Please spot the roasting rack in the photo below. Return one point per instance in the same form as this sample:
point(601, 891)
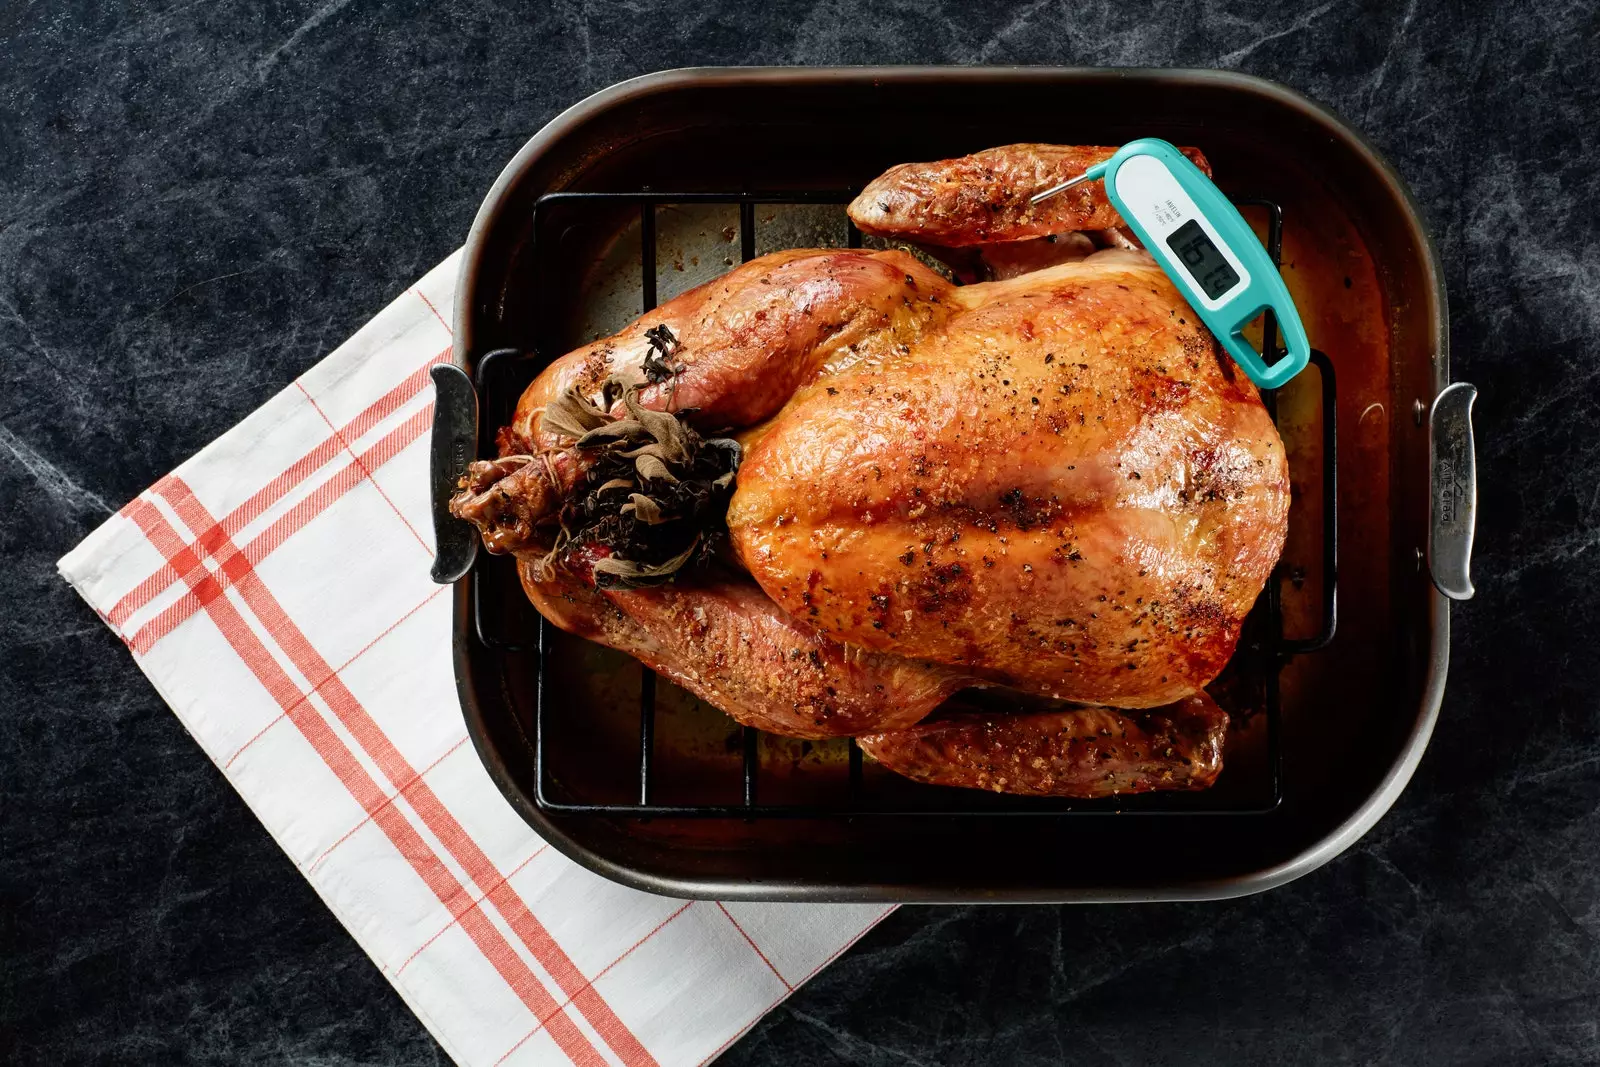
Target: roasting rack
point(504, 621)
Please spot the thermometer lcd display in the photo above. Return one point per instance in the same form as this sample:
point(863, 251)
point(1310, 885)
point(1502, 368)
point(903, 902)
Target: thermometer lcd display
point(1201, 258)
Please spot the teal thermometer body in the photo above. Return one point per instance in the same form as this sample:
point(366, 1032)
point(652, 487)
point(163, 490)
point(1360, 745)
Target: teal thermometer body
point(1207, 249)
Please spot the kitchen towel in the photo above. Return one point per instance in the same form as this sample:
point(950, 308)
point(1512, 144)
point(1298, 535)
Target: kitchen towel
point(275, 590)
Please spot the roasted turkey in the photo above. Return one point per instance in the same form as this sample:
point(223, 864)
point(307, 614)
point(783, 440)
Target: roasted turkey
point(831, 488)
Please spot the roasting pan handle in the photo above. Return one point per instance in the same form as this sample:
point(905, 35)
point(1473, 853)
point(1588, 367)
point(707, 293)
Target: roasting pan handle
point(1453, 490)
point(455, 442)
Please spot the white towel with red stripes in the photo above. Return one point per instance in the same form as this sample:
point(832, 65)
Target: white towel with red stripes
point(275, 590)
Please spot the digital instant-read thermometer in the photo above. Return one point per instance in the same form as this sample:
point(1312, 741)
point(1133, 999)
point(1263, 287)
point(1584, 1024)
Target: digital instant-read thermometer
point(1206, 248)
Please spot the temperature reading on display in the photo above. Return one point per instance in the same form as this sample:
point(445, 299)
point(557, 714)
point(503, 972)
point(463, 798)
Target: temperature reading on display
point(1202, 260)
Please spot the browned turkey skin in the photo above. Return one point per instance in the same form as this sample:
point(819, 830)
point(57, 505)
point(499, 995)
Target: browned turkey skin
point(1054, 482)
point(1079, 752)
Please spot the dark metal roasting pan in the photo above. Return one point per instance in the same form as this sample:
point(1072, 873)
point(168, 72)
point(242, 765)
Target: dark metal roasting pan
point(657, 183)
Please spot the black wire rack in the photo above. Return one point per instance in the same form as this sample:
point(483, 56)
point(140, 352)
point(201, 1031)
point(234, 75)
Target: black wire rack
point(503, 619)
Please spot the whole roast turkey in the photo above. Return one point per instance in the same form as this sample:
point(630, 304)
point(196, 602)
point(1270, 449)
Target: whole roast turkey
point(831, 488)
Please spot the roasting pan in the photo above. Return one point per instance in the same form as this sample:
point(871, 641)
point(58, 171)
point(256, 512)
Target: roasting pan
point(675, 799)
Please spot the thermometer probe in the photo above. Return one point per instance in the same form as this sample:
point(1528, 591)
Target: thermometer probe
point(1206, 248)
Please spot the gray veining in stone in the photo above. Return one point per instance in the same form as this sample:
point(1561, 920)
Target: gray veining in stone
point(198, 200)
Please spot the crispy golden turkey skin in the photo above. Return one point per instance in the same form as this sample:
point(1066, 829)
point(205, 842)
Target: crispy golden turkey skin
point(1055, 482)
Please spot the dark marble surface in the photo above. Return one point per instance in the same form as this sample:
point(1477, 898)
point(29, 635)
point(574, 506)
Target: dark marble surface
point(198, 200)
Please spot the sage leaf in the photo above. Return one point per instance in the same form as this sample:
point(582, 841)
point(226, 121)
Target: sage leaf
point(651, 468)
point(644, 509)
point(572, 415)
